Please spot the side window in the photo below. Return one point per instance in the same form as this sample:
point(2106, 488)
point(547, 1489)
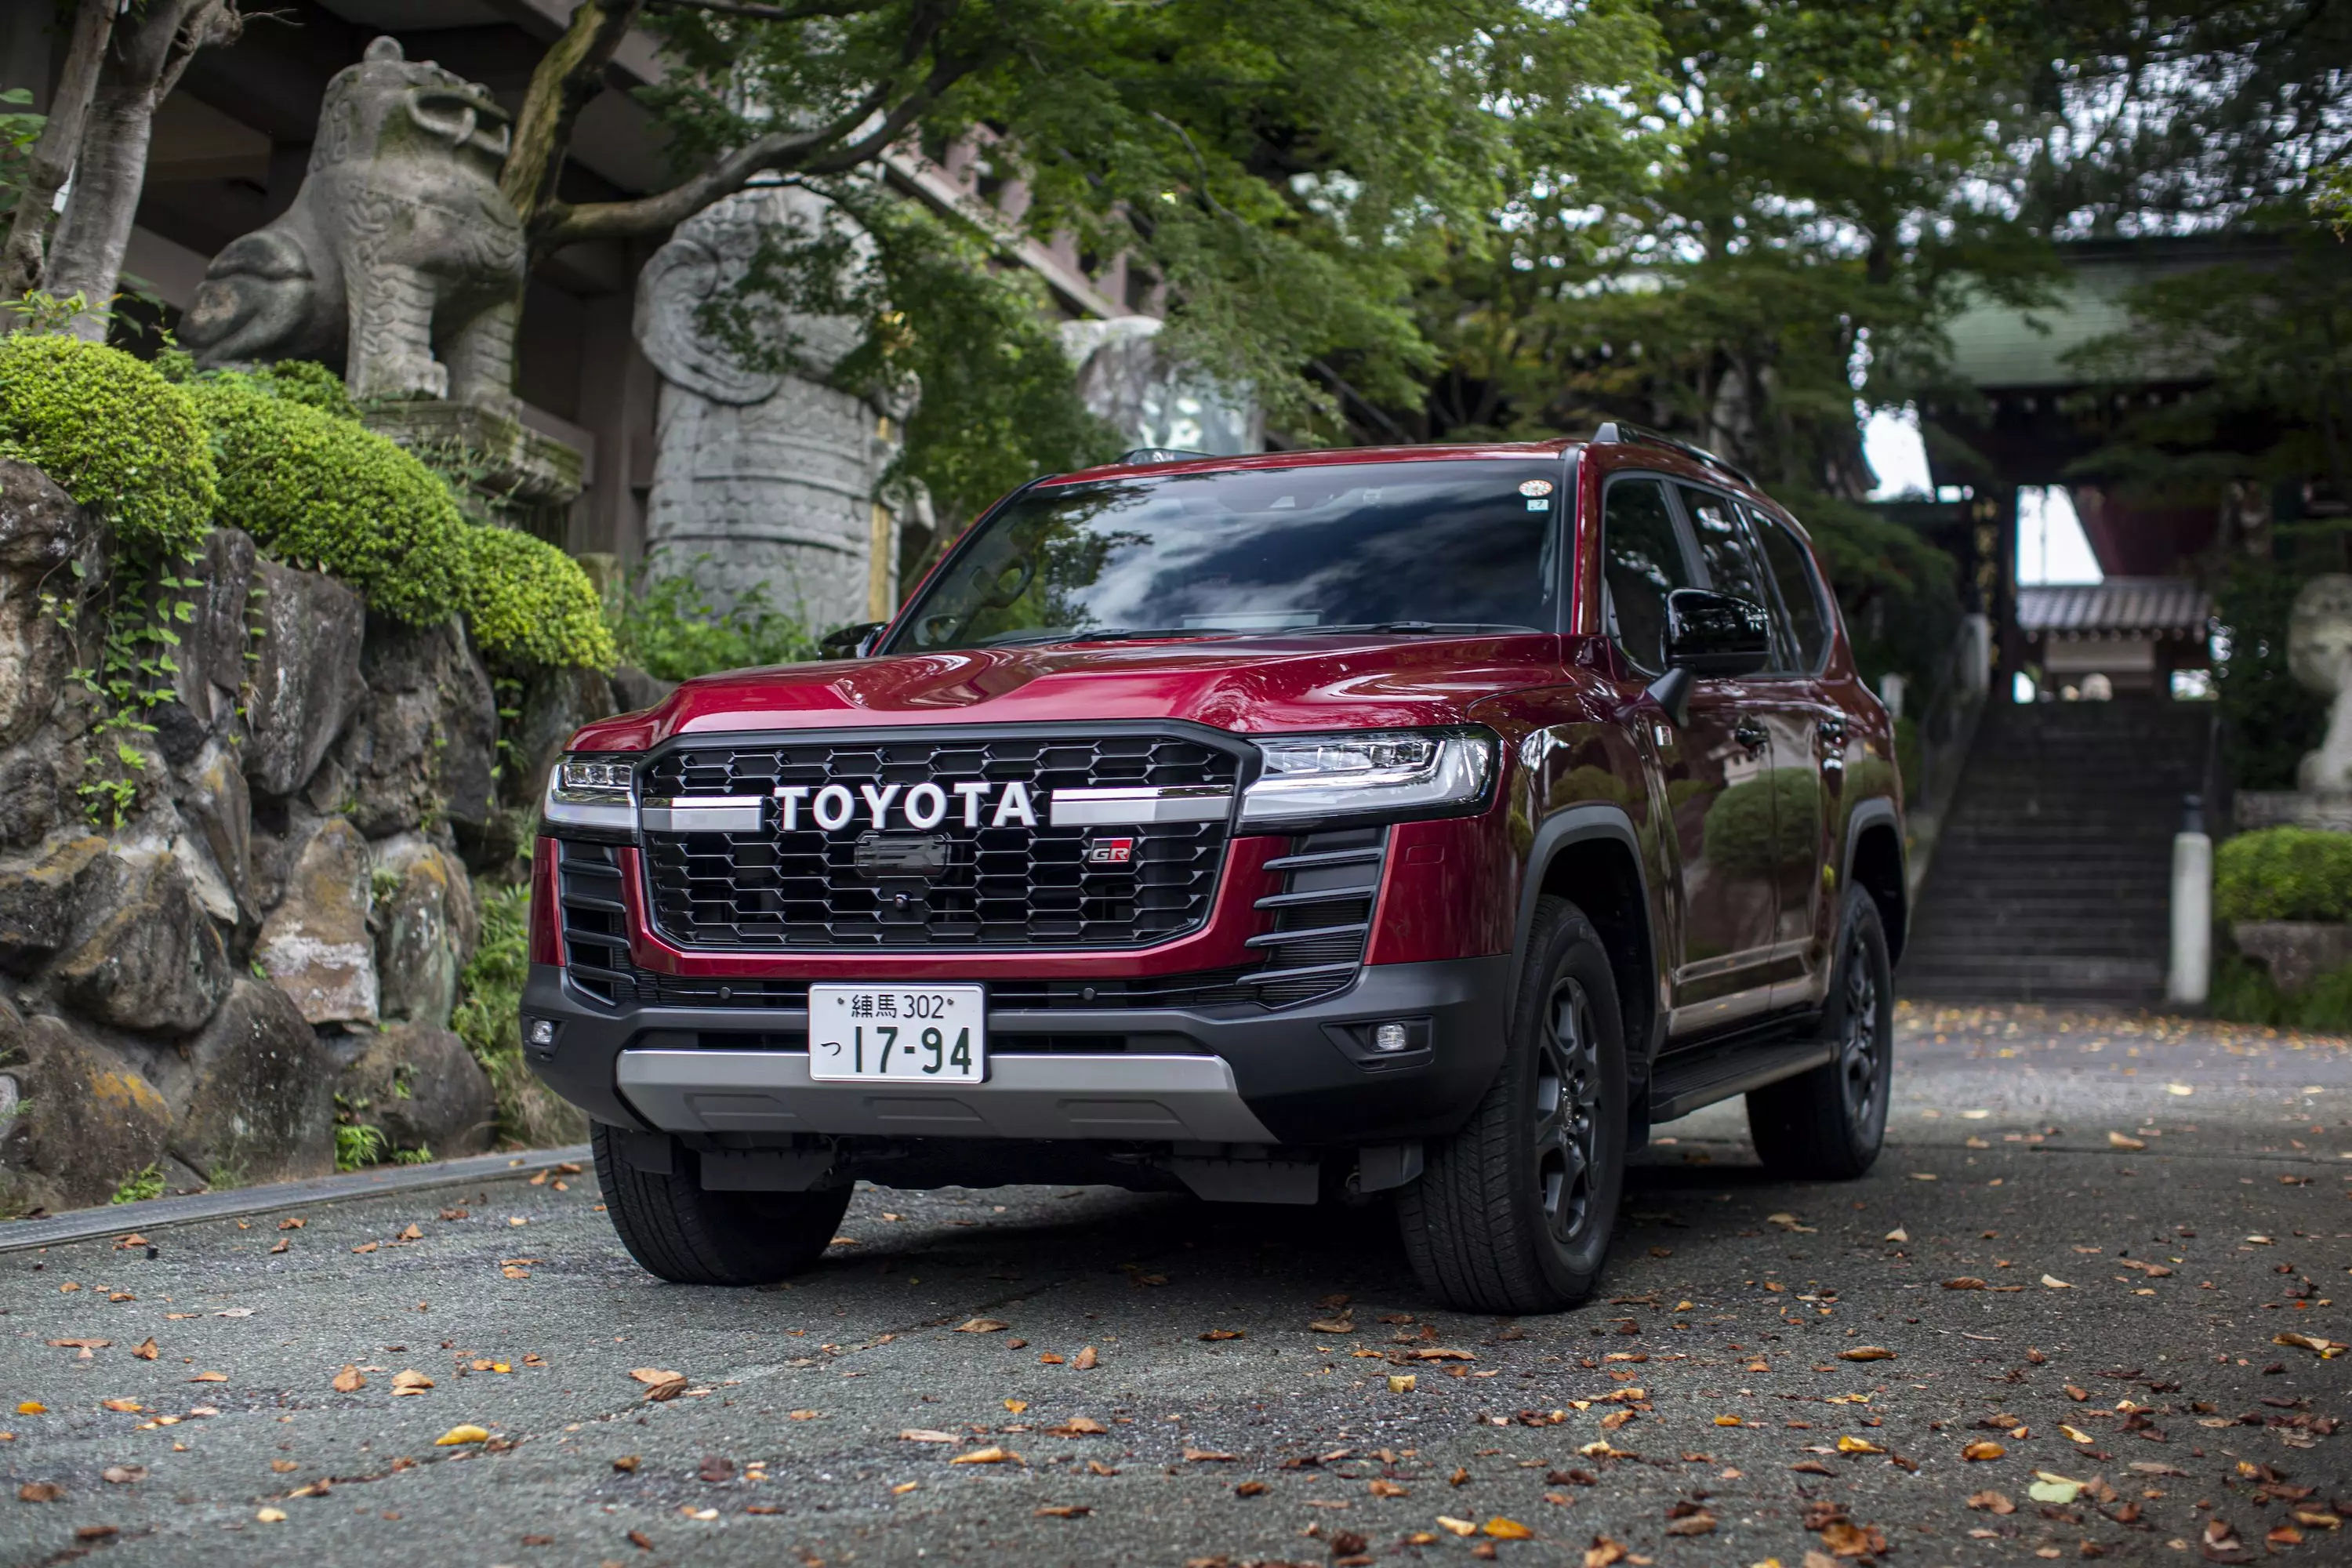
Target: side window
point(1801, 589)
point(1729, 554)
point(1641, 561)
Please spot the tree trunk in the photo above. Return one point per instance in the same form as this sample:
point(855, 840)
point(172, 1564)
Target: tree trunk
point(86, 255)
point(53, 154)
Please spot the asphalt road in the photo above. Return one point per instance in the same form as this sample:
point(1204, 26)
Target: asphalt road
point(1705, 1394)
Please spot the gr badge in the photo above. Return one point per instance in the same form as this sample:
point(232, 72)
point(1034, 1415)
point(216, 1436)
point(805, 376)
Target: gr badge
point(1110, 851)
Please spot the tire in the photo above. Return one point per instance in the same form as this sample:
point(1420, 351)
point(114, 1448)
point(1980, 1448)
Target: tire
point(679, 1232)
point(1513, 1214)
point(1828, 1124)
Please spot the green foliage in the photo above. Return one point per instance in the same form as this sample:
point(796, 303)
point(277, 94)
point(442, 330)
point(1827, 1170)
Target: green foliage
point(420, 1155)
point(357, 1144)
point(315, 489)
point(1737, 833)
point(528, 603)
point(140, 1185)
point(667, 627)
point(19, 129)
point(2269, 718)
point(2284, 874)
point(489, 1018)
point(1900, 595)
point(2243, 992)
point(119, 438)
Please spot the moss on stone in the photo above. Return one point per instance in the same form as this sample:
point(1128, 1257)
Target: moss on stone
point(119, 438)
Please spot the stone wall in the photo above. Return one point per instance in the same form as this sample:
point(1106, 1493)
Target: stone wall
point(270, 938)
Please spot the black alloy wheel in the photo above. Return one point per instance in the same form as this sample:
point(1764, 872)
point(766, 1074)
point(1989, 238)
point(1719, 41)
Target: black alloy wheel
point(1567, 1112)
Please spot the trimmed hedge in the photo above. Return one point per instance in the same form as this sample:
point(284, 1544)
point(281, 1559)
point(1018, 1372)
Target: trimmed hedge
point(318, 490)
point(119, 438)
point(2284, 874)
point(528, 602)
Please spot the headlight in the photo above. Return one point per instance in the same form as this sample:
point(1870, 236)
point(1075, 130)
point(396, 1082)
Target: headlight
point(598, 794)
point(1393, 775)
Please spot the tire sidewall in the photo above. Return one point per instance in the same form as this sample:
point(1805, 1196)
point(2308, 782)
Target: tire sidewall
point(1571, 951)
point(1859, 919)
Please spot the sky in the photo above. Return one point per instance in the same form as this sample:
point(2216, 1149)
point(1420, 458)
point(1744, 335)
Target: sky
point(2050, 544)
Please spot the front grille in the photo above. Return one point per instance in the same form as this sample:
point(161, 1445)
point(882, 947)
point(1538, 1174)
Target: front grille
point(1322, 917)
point(594, 921)
point(1012, 886)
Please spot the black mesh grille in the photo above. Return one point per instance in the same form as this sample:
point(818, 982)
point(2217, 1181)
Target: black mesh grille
point(1322, 917)
point(1001, 887)
point(595, 921)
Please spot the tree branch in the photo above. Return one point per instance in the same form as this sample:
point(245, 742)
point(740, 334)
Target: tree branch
point(53, 154)
point(808, 11)
point(568, 76)
point(779, 150)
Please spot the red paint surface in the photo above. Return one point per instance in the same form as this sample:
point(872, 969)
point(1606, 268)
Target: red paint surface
point(546, 931)
point(1450, 891)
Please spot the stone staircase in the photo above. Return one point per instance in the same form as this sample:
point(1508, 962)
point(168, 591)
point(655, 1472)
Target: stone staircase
point(2052, 879)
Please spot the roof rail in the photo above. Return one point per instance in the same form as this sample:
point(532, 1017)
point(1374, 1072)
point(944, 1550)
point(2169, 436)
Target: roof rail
point(1616, 430)
point(1141, 455)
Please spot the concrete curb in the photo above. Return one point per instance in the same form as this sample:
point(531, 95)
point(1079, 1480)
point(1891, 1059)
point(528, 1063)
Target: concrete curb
point(155, 1214)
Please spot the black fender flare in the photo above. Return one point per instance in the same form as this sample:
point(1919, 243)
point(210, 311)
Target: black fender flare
point(1576, 825)
point(1877, 811)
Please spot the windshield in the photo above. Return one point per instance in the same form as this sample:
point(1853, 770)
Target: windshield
point(1431, 546)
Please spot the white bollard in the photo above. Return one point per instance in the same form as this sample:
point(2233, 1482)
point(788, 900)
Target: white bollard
point(2190, 978)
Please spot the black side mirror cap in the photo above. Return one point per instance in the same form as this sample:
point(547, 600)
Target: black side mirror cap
point(1716, 634)
point(849, 642)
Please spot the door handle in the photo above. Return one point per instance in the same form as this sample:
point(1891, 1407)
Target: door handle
point(1750, 734)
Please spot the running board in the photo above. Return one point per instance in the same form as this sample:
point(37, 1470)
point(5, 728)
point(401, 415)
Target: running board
point(1679, 1087)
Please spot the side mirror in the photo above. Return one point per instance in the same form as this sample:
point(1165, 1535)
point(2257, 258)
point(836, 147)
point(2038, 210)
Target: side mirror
point(1716, 634)
point(849, 642)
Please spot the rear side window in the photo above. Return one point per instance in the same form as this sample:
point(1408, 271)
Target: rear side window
point(1731, 565)
point(1805, 610)
point(1641, 561)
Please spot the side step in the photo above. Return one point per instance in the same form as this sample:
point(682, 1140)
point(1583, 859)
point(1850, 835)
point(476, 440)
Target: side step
point(1680, 1085)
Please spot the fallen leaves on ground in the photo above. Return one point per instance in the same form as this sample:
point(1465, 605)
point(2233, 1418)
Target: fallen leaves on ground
point(408, 1381)
point(1457, 1526)
point(1332, 1326)
point(1078, 1426)
point(1503, 1528)
point(1083, 1361)
point(2327, 1350)
point(926, 1435)
point(1603, 1551)
point(627, 1463)
point(464, 1433)
point(1205, 1455)
point(981, 1326)
point(1224, 1334)
point(1858, 1445)
point(145, 1351)
point(1379, 1488)
point(2055, 1283)
point(1064, 1510)
point(349, 1380)
point(991, 1455)
point(210, 1377)
point(2119, 1141)
point(270, 1515)
point(123, 1475)
point(1249, 1489)
point(660, 1383)
point(127, 1406)
point(1983, 1451)
point(1866, 1352)
point(1964, 1282)
point(1991, 1502)
point(41, 1492)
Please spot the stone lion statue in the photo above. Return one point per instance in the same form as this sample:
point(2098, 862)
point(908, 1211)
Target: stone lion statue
point(398, 242)
point(765, 472)
point(2319, 654)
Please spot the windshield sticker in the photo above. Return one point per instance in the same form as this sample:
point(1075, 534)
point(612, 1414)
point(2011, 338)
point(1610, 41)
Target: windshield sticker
point(1535, 487)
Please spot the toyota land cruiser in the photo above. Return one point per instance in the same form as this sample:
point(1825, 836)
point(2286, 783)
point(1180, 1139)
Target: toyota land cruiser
point(1427, 821)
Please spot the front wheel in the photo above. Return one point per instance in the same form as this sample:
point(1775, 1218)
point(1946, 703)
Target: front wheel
point(1828, 1124)
point(1513, 1214)
point(680, 1232)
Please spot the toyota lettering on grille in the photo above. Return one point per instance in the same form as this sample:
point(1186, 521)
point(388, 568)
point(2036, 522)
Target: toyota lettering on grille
point(925, 806)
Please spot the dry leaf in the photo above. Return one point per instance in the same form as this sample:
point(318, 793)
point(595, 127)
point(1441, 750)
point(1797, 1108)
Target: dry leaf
point(1205, 1455)
point(284, 1466)
point(1084, 1360)
point(412, 1233)
point(2076, 1434)
point(1224, 1334)
point(1401, 1383)
point(1983, 1451)
point(1866, 1352)
point(1016, 1406)
point(349, 1380)
point(1331, 1326)
point(991, 1455)
point(1858, 1445)
point(1503, 1528)
point(2117, 1140)
point(468, 1432)
point(1078, 1426)
point(126, 1406)
point(1991, 1502)
point(1603, 1551)
point(1965, 1282)
point(41, 1492)
point(145, 1351)
point(270, 1515)
point(802, 1415)
point(2327, 1349)
point(982, 1325)
point(1096, 1467)
point(626, 1463)
point(2055, 1283)
point(1616, 1418)
point(210, 1377)
point(1249, 1489)
point(926, 1435)
point(1379, 1488)
point(1069, 1511)
point(123, 1475)
point(293, 1222)
point(1701, 1524)
point(410, 1378)
point(1458, 1526)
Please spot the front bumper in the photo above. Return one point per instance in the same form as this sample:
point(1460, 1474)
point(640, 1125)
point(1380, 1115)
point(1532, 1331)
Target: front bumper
point(1299, 1077)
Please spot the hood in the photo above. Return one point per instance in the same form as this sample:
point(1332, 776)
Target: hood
point(1247, 685)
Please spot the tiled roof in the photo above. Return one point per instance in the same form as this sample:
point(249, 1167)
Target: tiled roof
point(2134, 607)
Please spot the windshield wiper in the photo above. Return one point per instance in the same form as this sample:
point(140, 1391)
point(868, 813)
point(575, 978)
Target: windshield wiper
point(1097, 634)
point(1423, 629)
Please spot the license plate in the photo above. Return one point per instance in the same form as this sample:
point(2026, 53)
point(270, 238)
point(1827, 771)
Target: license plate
point(921, 1034)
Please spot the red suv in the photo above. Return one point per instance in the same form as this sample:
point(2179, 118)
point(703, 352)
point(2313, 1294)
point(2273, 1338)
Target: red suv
point(1429, 821)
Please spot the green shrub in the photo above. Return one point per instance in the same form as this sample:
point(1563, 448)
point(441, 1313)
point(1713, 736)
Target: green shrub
point(2243, 992)
point(318, 490)
point(2284, 874)
point(666, 628)
point(119, 438)
point(528, 604)
point(489, 1018)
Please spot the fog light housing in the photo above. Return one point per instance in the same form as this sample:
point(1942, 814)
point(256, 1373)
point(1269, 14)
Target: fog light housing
point(539, 1031)
point(1389, 1037)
